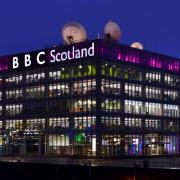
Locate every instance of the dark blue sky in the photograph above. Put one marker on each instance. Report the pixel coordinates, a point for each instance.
(28, 25)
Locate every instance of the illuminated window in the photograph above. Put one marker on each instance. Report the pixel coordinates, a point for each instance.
(54, 75)
(111, 122)
(14, 79)
(152, 124)
(153, 76)
(133, 122)
(171, 110)
(134, 107)
(0, 95)
(13, 109)
(14, 94)
(35, 76)
(14, 125)
(133, 90)
(84, 105)
(85, 123)
(58, 124)
(110, 87)
(1, 80)
(153, 109)
(132, 73)
(111, 104)
(153, 93)
(172, 80)
(170, 95)
(171, 125)
(1, 126)
(35, 124)
(112, 70)
(35, 92)
(58, 89)
(84, 87)
(84, 70)
(133, 145)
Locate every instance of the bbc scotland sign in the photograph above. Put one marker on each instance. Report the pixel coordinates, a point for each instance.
(52, 56)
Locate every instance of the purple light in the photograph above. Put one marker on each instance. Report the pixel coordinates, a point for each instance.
(4, 63)
(173, 66)
(102, 50)
(155, 63)
(129, 58)
(119, 56)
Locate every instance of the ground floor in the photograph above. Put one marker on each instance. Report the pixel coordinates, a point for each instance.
(89, 144)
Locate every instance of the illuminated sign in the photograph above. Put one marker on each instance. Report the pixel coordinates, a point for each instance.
(98, 48)
(53, 56)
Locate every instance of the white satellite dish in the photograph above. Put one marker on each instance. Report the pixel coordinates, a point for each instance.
(73, 32)
(112, 31)
(137, 45)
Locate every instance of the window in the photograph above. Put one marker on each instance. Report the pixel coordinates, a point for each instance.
(85, 123)
(14, 125)
(59, 106)
(35, 124)
(170, 95)
(153, 93)
(111, 122)
(112, 70)
(110, 87)
(132, 73)
(153, 76)
(84, 70)
(84, 105)
(0, 110)
(15, 94)
(85, 87)
(133, 90)
(171, 125)
(170, 110)
(133, 145)
(54, 75)
(0, 95)
(171, 80)
(58, 89)
(59, 72)
(1, 126)
(58, 124)
(133, 122)
(13, 109)
(154, 109)
(152, 124)
(1, 80)
(110, 104)
(14, 79)
(35, 76)
(134, 107)
(35, 92)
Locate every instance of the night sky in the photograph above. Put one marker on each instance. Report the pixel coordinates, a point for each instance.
(34, 24)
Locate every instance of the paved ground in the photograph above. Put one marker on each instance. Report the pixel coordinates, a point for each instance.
(155, 162)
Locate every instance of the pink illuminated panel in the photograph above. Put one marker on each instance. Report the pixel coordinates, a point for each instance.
(173, 66)
(132, 58)
(4, 63)
(155, 63)
(127, 54)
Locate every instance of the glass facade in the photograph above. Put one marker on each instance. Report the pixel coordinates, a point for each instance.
(95, 107)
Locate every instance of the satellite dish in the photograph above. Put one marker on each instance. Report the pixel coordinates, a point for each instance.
(73, 32)
(137, 45)
(112, 31)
